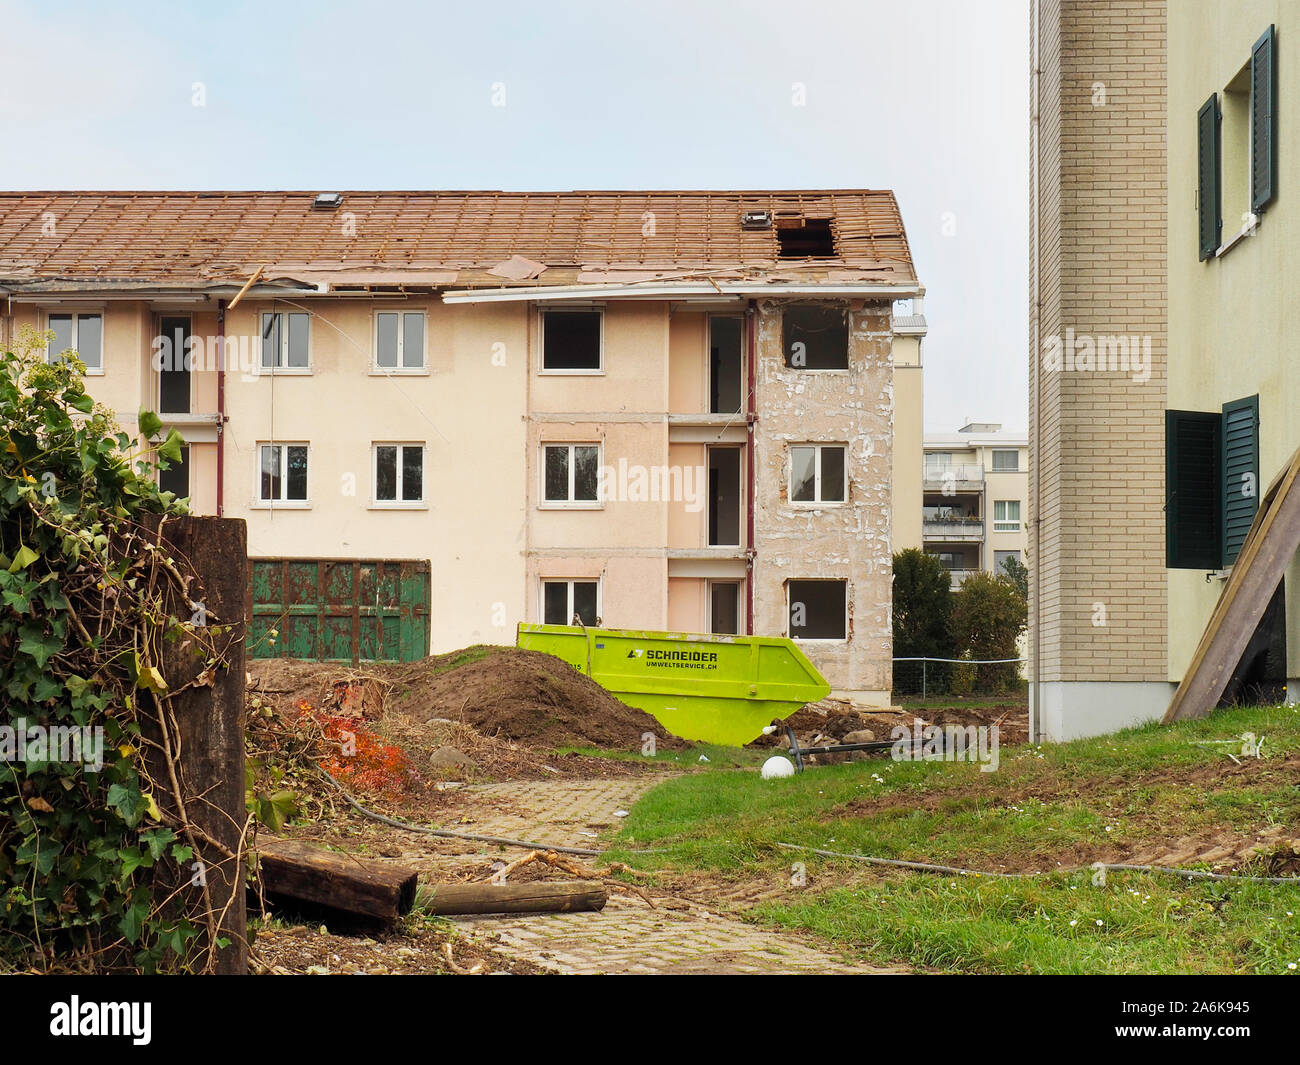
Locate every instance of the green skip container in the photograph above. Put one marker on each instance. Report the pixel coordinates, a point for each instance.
(715, 689)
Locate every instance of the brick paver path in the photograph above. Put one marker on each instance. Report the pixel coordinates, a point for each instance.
(628, 936)
(694, 926)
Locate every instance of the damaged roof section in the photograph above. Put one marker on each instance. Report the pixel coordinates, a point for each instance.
(441, 238)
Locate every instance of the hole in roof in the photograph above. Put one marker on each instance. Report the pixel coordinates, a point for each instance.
(811, 240)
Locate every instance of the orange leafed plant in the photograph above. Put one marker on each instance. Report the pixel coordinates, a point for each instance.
(359, 759)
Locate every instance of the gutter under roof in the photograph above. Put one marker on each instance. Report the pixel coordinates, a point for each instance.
(693, 290)
(52, 291)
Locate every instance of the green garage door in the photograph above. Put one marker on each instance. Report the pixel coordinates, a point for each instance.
(338, 609)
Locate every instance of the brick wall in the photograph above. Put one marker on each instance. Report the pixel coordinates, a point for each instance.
(1098, 255)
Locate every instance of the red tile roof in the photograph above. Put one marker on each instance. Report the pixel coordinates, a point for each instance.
(200, 238)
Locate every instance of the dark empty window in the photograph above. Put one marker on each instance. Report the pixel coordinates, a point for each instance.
(724, 607)
(571, 340)
(725, 365)
(724, 496)
(818, 610)
(399, 473)
(815, 337)
(562, 601)
(808, 238)
(283, 473)
(176, 478)
(571, 473)
(174, 365)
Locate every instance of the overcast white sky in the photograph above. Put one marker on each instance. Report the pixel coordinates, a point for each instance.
(927, 97)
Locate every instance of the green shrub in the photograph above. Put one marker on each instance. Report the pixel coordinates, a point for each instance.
(922, 621)
(988, 616)
(82, 621)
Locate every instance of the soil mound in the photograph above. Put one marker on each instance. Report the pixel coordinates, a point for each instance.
(523, 696)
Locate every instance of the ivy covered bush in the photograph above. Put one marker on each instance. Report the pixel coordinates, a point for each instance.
(84, 839)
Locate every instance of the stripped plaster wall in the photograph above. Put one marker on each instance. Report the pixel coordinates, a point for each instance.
(851, 540)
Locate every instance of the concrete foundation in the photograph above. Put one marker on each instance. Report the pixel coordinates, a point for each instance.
(1072, 710)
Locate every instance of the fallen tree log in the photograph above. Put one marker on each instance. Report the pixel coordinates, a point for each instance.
(535, 897)
(353, 885)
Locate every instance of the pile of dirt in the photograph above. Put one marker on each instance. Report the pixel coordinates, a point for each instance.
(524, 696)
(502, 693)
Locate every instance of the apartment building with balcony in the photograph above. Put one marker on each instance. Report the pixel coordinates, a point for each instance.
(648, 410)
(975, 487)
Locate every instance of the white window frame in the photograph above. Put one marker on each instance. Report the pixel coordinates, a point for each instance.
(383, 371)
(993, 460)
(282, 357)
(542, 368)
(280, 504)
(818, 639)
(817, 501)
(1006, 524)
(76, 313)
(569, 582)
(571, 504)
(399, 503)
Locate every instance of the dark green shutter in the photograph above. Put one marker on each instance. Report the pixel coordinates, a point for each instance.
(1263, 121)
(1207, 176)
(1191, 489)
(1240, 451)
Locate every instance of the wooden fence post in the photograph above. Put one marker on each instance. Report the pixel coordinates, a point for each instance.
(211, 717)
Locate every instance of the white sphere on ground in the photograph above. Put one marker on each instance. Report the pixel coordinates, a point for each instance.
(777, 766)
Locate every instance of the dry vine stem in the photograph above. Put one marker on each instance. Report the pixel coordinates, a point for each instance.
(459, 970)
(574, 869)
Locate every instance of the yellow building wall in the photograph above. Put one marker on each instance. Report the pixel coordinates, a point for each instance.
(909, 457)
(1233, 320)
(688, 608)
(1005, 486)
(688, 367)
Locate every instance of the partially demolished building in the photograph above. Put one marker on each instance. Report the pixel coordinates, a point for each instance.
(443, 413)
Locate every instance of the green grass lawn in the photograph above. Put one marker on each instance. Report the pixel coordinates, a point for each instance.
(1051, 810)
